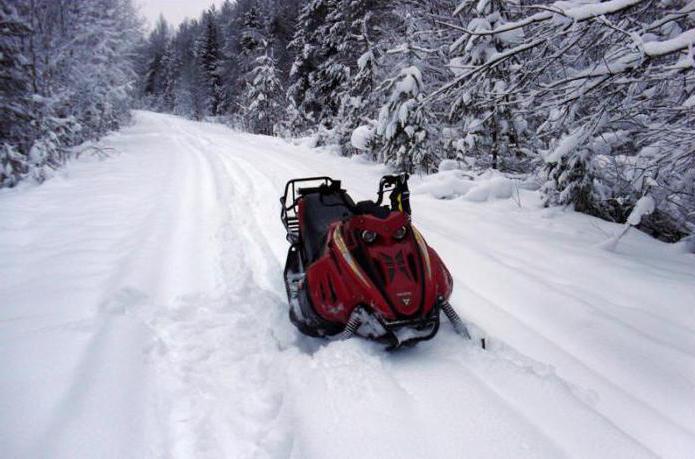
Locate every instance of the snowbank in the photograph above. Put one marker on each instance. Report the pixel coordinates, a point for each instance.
(452, 183)
(361, 137)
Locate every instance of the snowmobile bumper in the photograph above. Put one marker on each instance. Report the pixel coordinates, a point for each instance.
(409, 332)
(395, 334)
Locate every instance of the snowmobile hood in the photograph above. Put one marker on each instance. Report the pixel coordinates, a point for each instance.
(395, 258)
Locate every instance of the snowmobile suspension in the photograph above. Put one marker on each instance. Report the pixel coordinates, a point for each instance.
(352, 326)
(455, 320)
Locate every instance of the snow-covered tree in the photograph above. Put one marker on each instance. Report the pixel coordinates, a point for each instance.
(155, 49)
(403, 124)
(102, 42)
(491, 132)
(264, 96)
(369, 23)
(209, 58)
(618, 73)
(358, 109)
(77, 60)
(171, 72)
(15, 96)
(569, 176)
(315, 73)
(331, 37)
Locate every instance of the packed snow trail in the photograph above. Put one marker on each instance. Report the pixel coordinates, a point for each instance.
(143, 314)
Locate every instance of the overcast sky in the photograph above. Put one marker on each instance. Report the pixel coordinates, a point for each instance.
(173, 10)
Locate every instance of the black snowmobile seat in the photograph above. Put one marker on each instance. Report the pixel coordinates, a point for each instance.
(320, 210)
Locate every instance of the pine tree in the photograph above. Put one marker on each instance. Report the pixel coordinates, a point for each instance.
(252, 38)
(264, 96)
(157, 44)
(299, 92)
(321, 68)
(403, 123)
(209, 58)
(367, 20)
(358, 107)
(101, 66)
(186, 87)
(569, 174)
(252, 45)
(171, 70)
(335, 53)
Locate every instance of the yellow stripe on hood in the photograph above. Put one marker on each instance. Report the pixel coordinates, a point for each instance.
(340, 243)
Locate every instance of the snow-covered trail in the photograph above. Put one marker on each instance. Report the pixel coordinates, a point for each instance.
(142, 313)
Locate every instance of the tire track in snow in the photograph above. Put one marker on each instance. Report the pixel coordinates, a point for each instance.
(621, 399)
(217, 349)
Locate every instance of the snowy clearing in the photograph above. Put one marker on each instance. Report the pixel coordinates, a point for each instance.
(144, 315)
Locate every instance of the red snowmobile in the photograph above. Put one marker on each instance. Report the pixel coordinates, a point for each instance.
(361, 268)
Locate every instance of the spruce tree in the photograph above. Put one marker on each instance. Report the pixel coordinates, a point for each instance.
(263, 96)
(404, 121)
(209, 59)
(156, 47)
(171, 69)
(359, 104)
(569, 174)
(312, 15)
(321, 70)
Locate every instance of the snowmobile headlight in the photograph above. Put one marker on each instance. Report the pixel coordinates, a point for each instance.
(400, 233)
(368, 236)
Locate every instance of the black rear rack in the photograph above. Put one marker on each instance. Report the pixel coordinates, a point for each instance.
(396, 185)
(290, 199)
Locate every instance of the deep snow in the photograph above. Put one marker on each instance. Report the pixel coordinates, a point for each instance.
(143, 315)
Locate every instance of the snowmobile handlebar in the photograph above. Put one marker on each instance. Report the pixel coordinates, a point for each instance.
(400, 195)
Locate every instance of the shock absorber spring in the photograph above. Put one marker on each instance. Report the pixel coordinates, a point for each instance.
(458, 324)
(351, 327)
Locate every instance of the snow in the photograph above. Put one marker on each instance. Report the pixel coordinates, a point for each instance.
(451, 183)
(447, 184)
(590, 10)
(361, 137)
(565, 146)
(410, 83)
(457, 65)
(512, 37)
(144, 315)
(644, 206)
(660, 48)
(570, 9)
(460, 7)
(448, 165)
(365, 59)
